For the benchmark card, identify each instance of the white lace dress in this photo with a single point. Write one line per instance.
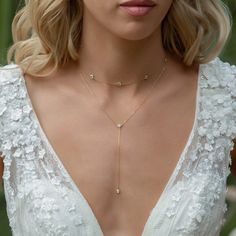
(43, 200)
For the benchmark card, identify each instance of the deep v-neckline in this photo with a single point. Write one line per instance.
(89, 210)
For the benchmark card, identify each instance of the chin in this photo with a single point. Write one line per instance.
(134, 33)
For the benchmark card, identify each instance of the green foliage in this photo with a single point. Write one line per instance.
(7, 11)
(229, 53)
(4, 224)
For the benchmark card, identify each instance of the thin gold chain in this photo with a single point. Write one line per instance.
(120, 125)
(118, 83)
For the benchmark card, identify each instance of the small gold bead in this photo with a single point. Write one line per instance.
(119, 83)
(119, 125)
(118, 191)
(91, 76)
(146, 77)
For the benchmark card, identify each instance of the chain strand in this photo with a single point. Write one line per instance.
(120, 125)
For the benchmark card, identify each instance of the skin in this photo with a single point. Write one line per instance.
(121, 49)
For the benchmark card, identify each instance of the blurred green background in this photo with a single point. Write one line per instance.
(7, 12)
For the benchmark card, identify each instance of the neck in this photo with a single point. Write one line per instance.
(113, 59)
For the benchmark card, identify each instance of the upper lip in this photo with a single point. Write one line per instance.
(138, 3)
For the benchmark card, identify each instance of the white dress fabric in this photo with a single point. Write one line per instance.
(43, 200)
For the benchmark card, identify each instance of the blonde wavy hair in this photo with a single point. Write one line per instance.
(46, 33)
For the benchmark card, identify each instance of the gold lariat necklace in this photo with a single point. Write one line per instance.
(121, 124)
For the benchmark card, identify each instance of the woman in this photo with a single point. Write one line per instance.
(117, 118)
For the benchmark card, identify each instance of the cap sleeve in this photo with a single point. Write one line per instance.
(7, 77)
(226, 76)
(232, 79)
(229, 80)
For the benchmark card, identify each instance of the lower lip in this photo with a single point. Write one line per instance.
(137, 10)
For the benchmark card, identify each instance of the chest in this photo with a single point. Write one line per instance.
(151, 142)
